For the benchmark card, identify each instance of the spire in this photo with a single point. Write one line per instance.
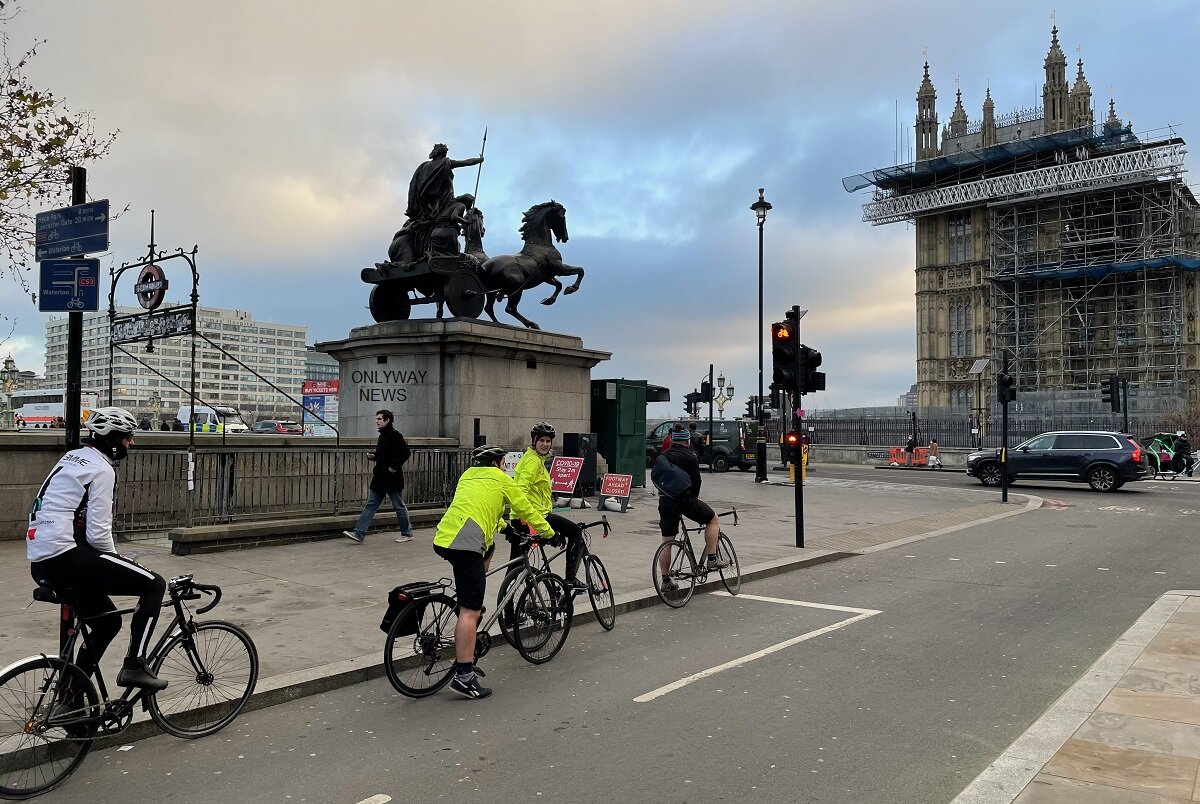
(1054, 91)
(927, 125)
(1081, 101)
(958, 119)
(1112, 112)
(989, 120)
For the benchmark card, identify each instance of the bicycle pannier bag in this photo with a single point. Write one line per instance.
(668, 478)
(400, 597)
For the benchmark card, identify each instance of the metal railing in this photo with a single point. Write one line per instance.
(233, 485)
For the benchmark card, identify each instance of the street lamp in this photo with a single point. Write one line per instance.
(8, 376)
(724, 394)
(155, 407)
(760, 208)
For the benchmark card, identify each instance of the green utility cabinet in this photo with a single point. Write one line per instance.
(619, 422)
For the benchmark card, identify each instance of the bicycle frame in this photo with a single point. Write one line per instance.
(587, 546)
(686, 537)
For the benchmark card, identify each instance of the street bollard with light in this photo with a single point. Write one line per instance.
(760, 208)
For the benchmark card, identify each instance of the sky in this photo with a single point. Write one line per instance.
(280, 137)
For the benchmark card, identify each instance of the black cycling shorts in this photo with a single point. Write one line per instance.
(671, 508)
(469, 575)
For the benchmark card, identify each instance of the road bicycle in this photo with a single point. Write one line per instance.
(599, 587)
(51, 712)
(537, 610)
(685, 571)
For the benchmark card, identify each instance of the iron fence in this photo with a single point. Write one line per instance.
(229, 485)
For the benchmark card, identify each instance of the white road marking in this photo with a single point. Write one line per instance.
(379, 799)
(861, 614)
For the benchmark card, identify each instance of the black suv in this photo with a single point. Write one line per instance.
(1105, 460)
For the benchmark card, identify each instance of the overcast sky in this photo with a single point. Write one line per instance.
(280, 138)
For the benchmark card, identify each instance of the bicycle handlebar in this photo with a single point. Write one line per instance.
(187, 589)
(215, 591)
(603, 520)
(732, 511)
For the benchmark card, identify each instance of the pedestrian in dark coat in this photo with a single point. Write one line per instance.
(387, 480)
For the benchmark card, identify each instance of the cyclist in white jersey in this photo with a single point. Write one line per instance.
(70, 546)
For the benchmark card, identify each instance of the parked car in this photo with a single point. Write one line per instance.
(277, 426)
(733, 443)
(1104, 460)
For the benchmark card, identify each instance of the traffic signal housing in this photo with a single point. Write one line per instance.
(750, 408)
(810, 379)
(1006, 389)
(783, 357)
(691, 403)
(706, 394)
(791, 444)
(1110, 392)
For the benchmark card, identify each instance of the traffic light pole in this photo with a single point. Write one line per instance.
(798, 456)
(1125, 403)
(711, 452)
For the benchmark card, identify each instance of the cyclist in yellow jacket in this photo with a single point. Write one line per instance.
(534, 480)
(466, 538)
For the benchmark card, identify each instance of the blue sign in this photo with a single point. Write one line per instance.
(69, 286)
(73, 231)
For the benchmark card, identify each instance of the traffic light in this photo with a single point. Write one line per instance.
(1110, 392)
(810, 379)
(691, 403)
(705, 391)
(750, 408)
(1006, 389)
(791, 446)
(783, 357)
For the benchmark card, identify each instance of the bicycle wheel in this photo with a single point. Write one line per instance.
(36, 752)
(543, 618)
(600, 592)
(731, 576)
(676, 587)
(210, 674)
(422, 663)
(517, 575)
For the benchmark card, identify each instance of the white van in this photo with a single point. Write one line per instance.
(214, 419)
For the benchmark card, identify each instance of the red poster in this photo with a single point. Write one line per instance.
(564, 474)
(615, 485)
(319, 387)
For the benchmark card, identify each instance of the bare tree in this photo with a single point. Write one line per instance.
(40, 140)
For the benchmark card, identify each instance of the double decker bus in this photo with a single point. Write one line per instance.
(45, 407)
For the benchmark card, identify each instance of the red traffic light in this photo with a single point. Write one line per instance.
(792, 439)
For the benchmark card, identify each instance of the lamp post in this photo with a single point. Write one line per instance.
(724, 394)
(8, 376)
(760, 208)
(155, 407)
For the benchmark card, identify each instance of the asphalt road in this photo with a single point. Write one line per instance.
(976, 634)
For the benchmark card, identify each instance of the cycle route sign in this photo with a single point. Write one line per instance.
(72, 231)
(69, 286)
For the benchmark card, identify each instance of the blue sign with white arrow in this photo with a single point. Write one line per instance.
(72, 231)
(69, 286)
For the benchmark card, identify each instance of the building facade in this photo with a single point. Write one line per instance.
(277, 352)
(1051, 245)
(319, 366)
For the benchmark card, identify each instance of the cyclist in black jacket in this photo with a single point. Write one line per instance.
(687, 503)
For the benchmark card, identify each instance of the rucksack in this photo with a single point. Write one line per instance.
(668, 478)
(400, 597)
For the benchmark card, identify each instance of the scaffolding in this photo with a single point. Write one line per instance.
(1089, 282)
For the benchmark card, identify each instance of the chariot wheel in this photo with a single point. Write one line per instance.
(390, 302)
(465, 294)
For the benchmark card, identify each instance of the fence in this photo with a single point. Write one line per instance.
(245, 484)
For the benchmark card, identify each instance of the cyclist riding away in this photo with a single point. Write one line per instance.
(534, 479)
(70, 546)
(466, 538)
(687, 503)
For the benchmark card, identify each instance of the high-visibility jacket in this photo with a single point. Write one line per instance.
(474, 515)
(534, 480)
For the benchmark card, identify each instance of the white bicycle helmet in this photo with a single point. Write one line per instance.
(111, 420)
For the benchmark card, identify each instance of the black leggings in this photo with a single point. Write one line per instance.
(89, 576)
(574, 536)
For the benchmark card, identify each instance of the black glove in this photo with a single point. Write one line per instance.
(554, 539)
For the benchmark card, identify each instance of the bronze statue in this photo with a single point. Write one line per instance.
(539, 262)
(432, 187)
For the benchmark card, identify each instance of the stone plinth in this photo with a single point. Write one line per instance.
(438, 375)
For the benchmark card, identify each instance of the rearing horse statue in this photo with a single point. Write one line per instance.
(538, 263)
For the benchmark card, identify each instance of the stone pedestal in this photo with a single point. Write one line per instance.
(438, 375)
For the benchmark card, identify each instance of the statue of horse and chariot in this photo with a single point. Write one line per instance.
(426, 264)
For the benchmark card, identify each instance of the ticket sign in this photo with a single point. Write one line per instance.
(564, 474)
(616, 487)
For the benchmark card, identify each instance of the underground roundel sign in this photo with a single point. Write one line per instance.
(151, 287)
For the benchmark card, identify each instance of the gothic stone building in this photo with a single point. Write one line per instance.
(1058, 247)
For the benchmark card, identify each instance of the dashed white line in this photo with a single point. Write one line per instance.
(379, 799)
(861, 614)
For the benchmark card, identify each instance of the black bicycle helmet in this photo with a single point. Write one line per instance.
(540, 430)
(487, 455)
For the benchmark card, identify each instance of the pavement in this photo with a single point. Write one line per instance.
(1128, 731)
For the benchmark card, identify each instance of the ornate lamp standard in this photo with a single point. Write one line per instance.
(724, 394)
(760, 208)
(8, 376)
(155, 407)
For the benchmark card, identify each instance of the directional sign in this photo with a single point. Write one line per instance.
(72, 231)
(69, 286)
